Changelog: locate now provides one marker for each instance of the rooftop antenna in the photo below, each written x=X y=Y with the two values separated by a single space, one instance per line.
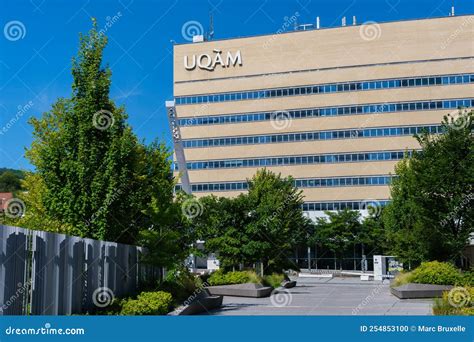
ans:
x=343 y=21
x=317 y=23
x=210 y=33
x=452 y=9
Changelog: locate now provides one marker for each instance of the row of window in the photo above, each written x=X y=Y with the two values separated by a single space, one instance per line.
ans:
x=299 y=183
x=337 y=205
x=328 y=88
x=328 y=111
x=295 y=160
x=311 y=136
x=345 y=181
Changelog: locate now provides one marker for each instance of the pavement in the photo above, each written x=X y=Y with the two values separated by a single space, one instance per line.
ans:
x=327 y=296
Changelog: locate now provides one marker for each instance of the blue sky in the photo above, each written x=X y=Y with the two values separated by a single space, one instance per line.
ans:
x=35 y=65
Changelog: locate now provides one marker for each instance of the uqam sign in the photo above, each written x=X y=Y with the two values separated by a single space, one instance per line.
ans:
x=210 y=62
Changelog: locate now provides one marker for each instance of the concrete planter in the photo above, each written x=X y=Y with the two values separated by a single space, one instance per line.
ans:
x=241 y=290
x=202 y=302
x=288 y=284
x=411 y=290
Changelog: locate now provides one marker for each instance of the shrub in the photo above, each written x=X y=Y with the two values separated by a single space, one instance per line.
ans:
x=435 y=272
x=443 y=306
x=148 y=303
x=467 y=279
x=274 y=280
x=180 y=283
x=238 y=277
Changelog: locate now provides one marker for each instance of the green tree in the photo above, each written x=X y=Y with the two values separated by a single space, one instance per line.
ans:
x=169 y=237
x=97 y=177
x=372 y=237
x=263 y=225
x=9 y=182
x=431 y=215
x=222 y=225
x=338 y=231
x=34 y=214
x=278 y=223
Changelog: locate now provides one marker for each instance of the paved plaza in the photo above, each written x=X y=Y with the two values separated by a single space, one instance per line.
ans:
x=328 y=296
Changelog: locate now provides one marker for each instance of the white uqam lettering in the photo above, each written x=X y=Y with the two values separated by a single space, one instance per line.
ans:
x=207 y=62
x=237 y=59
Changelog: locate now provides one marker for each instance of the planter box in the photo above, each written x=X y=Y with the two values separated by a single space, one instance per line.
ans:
x=288 y=284
x=203 y=302
x=412 y=290
x=241 y=290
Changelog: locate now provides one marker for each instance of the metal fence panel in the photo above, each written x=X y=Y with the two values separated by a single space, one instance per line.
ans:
x=68 y=274
x=48 y=273
x=13 y=270
x=95 y=257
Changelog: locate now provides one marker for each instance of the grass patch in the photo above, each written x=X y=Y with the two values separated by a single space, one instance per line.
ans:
x=458 y=301
x=274 y=280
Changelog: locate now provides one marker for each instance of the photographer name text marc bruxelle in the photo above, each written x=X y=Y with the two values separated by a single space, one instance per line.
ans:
x=412 y=328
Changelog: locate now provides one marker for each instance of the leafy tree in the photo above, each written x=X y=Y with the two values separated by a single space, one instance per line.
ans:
x=169 y=238
x=35 y=215
x=338 y=231
x=263 y=225
x=222 y=225
x=431 y=215
x=372 y=237
x=9 y=182
x=97 y=177
x=278 y=223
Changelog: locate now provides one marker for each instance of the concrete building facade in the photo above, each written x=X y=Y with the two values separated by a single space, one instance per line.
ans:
x=335 y=108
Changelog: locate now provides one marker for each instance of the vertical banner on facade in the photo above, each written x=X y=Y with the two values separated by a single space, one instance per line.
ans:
x=178 y=146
